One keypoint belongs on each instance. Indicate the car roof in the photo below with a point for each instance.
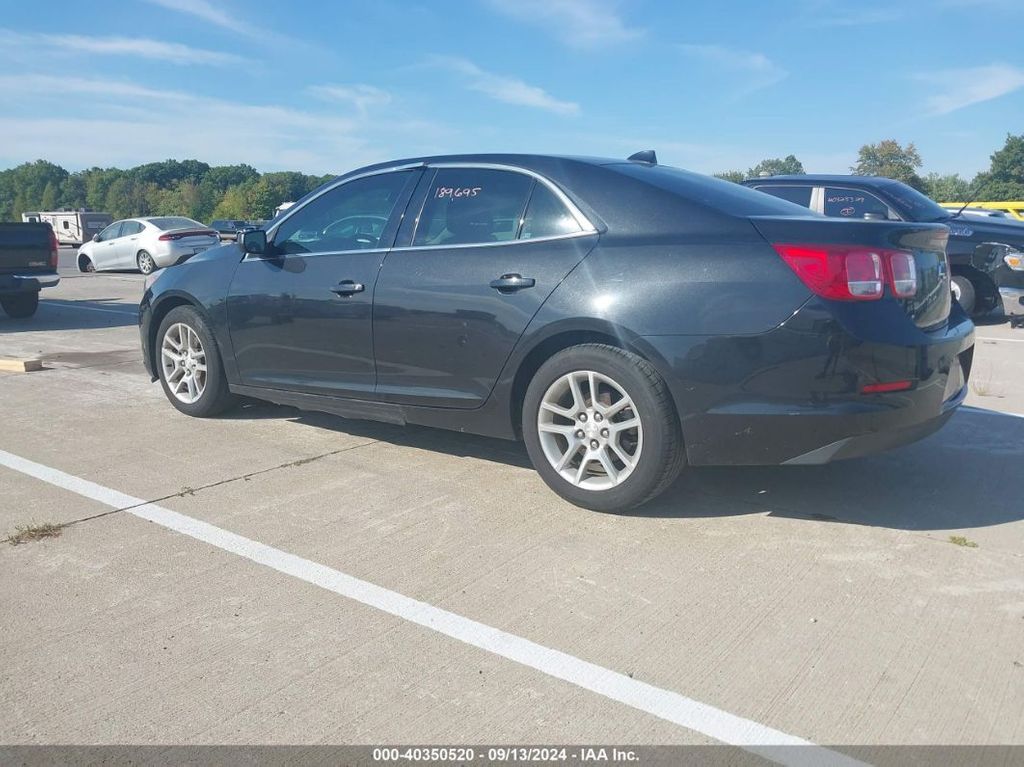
(826, 178)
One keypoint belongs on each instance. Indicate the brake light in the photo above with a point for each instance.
(54, 250)
(881, 388)
(851, 272)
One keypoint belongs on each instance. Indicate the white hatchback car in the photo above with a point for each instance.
(146, 244)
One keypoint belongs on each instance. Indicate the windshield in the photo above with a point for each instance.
(175, 222)
(913, 205)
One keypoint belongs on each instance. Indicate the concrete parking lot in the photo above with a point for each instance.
(875, 601)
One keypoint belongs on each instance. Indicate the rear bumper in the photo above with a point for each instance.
(27, 283)
(1013, 300)
(792, 395)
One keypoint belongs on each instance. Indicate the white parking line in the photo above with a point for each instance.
(665, 704)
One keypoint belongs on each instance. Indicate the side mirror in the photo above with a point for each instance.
(95, 238)
(254, 241)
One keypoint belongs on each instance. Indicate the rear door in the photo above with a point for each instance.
(300, 317)
(484, 252)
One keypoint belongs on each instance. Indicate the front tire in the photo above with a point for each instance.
(964, 293)
(145, 262)
(189, 364)
(85, 263)
(601, 429)
(20, 305)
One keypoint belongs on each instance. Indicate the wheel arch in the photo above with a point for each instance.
(984, 286)
(542, 349)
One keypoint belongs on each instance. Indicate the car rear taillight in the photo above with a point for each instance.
(54, 250)
(851, 272)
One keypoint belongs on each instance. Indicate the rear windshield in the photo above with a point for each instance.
(913, 205)
(24, 235)
(175, 222)
(714, 192)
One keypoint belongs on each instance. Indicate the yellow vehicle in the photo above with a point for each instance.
(1012, 208)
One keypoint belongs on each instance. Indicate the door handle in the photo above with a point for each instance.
(348, 288)
(510, 283)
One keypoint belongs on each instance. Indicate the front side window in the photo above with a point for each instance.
(471, 206)
(111, 232)
(352, 216)
(547, 216)
(801, 195)
(853, 203)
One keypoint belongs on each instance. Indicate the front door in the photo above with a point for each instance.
(104, 252)
(489, 247)
(300, 317)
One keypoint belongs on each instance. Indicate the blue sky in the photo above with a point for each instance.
(325, 87)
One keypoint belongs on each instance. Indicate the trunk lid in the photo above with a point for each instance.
(26, 248)
(930, 304)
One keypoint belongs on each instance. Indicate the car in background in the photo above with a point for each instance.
(980, 213)
(146, 244)
(622, 318)
(228, 229)
(984, 273)
(1013, 208)
(28, 263)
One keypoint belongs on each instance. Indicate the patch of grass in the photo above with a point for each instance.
(960, 540)
(29, 533)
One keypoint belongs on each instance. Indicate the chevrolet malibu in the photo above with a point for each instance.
(622, 318)
(146, 244)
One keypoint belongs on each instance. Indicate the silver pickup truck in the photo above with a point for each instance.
(28, 263)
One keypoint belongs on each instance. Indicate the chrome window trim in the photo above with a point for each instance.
(317, 254)
(459, 246)
(272, 231)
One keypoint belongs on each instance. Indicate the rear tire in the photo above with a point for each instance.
(189, 365)
(632, 447)
(145, 262)
(964, 293)
(20, 305)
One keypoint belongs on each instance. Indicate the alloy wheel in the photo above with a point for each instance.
(183, 360)
(590, 430)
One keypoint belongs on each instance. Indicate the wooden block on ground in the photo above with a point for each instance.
(20, 366)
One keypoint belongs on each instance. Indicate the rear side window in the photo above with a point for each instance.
(852, 203)
(470, 206)
(546, 216)
(801, 195)
(130, 227)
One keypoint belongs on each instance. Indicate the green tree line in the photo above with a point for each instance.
(172, 187)
(204, 192)
(1004, 179)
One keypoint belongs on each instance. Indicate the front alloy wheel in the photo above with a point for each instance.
(183, 360)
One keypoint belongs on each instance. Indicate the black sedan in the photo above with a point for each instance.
(622, 318)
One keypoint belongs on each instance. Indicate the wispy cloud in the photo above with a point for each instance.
(208, 12)
(960, 88)
(359, 95)
(142, 47)
(581, 23)
(758, 70)
(126, 123)
(510, 90)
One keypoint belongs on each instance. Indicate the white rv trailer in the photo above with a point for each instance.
(73, 227)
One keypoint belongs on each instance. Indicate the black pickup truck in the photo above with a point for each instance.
(28, 263)
(986, 256)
